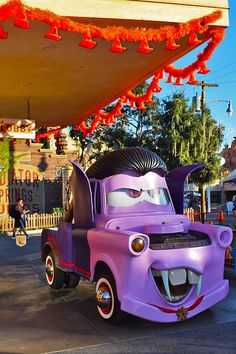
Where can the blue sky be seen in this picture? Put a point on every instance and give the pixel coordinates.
(223, 72)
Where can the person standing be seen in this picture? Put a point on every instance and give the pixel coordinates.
(229, 206)
(20, 218)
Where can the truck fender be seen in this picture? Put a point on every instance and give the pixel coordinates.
(50, 247)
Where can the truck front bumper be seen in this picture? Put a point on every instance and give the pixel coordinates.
(155, 313)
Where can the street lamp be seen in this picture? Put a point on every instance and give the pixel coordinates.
(197, 103)
(229, 110)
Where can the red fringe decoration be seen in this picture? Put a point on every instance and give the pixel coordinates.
(22, 13)
(216, 35)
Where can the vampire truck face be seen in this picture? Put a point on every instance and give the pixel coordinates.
(129, 192)
(132, 182)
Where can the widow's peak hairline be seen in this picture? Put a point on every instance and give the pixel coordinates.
(136, 159)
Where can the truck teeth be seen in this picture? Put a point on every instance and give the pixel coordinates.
(165, 278)
(199, 285)
(177, 276)
(156, 273)
(174, 298)
(192, 277)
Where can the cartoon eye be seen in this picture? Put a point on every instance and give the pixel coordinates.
(134, 194)
(123, 197)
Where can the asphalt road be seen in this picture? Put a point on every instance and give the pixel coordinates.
(36, 319)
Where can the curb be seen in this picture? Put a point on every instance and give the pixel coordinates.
(30, 232)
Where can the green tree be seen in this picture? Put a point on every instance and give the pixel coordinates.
(5, 155)
(186, 137)
(83, 145)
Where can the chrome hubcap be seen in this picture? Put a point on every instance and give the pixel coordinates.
(103, 297)
(49, 269)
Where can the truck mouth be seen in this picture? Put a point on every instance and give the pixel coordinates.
(175, 284)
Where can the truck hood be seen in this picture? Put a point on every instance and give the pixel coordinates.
(151, 223)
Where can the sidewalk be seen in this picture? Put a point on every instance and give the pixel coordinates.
(35, 232)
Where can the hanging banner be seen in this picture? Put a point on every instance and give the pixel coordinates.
(17, 128)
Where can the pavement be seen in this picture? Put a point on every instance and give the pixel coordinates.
(36, 319)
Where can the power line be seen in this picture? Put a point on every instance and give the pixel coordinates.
(229, 73)
(227, 82)
(222, 67)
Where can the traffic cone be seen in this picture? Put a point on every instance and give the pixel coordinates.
(144, 47)
(53, 34)
(228, 254)
(87, 41)
(221, 217)
(22, 21)
(117, 46)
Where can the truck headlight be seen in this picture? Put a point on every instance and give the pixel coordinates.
(138, 244)
(224, 238)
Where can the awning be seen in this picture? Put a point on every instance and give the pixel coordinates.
(59, 70)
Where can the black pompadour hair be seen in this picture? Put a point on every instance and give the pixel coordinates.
(127, 159)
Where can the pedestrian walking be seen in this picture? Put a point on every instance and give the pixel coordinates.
(19, 215)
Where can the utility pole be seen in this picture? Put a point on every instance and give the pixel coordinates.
(203, 85)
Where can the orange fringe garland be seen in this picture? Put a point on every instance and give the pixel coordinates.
(21, 14)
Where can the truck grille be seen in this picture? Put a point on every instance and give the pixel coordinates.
(179, 240)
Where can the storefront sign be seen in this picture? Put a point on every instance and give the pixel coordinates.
(17, 128)
(23, 181)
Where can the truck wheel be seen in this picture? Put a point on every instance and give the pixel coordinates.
(54, 276)
(71, 280)
(107, 301)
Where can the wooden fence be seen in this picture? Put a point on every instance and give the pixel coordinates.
(34, 221)
(189, 212)
(40, 221)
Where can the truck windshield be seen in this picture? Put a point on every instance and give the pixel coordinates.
(125, 197)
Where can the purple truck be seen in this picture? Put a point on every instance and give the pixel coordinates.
(126, 231)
